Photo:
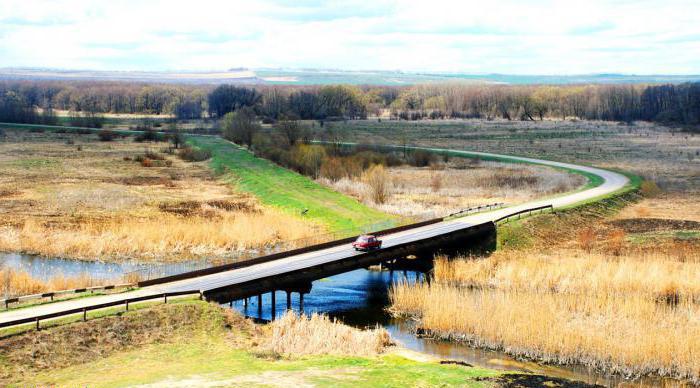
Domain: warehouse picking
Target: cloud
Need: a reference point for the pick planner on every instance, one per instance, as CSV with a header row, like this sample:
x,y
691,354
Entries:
x,y
504,36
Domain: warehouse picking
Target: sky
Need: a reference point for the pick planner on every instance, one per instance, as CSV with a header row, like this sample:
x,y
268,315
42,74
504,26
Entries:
x,y
475,37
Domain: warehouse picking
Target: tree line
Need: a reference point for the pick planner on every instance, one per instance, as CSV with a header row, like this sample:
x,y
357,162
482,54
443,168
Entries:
x,y
22,101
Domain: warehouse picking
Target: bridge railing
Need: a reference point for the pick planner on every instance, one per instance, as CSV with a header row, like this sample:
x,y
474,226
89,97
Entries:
x,y
53,294
84,310
529,211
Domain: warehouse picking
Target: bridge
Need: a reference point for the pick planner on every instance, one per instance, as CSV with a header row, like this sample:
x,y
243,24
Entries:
x,y
293,271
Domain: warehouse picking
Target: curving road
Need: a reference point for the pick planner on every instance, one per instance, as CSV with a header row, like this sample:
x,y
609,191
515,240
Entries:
x,y
612,182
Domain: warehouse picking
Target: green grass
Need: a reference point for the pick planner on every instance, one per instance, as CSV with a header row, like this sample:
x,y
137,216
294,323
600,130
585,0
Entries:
x,y
284,189
209,358
92,314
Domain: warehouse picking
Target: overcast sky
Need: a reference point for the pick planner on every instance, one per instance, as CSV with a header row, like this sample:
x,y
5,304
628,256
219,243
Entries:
x,y
496,36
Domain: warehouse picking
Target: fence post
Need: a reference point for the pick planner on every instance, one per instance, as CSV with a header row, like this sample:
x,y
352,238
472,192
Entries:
x,y
165,298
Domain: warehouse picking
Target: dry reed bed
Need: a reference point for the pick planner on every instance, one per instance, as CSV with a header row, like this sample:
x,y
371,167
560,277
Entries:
x,y
628,314
297,336
629,335
653,275
167,236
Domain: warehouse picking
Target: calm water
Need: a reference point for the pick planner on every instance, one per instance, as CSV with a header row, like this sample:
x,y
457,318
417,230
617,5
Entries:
x,y
358,298
44,268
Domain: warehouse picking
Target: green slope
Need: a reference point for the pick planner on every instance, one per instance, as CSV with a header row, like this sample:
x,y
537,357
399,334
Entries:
x,y
279,187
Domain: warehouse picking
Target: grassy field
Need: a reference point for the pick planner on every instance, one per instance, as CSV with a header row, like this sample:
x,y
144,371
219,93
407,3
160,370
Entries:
x,y
291,192
655,152
459,184
194,343
70,195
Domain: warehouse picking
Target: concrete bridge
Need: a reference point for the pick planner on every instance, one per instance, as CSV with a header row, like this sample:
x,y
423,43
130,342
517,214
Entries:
x,y
294,271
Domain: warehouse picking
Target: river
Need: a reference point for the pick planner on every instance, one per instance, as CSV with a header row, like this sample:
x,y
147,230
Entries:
x,y
358,298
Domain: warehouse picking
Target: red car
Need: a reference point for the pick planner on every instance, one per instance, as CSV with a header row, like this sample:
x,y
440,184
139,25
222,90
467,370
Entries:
x,y
366,243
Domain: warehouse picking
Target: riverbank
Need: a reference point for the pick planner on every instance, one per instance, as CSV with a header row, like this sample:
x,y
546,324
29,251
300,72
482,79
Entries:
x,y
195,343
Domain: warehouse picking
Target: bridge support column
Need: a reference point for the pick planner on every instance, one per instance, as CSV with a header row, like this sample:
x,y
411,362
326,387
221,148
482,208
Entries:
x,y
289,299
245,304
273,307
301,303
260,305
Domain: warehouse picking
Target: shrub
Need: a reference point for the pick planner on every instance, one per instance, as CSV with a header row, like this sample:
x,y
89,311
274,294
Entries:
x,y
586,238
649,189
149,135
192,154
106,135
333,169
421,158
377,179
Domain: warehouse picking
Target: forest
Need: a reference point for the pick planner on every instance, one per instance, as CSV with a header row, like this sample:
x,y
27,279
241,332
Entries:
x,y
35,101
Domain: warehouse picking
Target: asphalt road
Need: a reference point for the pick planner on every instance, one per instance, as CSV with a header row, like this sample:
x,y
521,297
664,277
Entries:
x,y
612,182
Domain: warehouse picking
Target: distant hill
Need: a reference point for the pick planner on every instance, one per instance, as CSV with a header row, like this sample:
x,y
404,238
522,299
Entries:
x,y
323,77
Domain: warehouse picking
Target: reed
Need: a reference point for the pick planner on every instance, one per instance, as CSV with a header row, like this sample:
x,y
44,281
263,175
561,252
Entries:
x,y
631,335
298,335
165,237
17,283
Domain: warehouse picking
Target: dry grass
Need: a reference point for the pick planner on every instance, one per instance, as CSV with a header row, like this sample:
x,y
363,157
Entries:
x,y
586,290
99,203
441,190
297,336
85,342
658,153
630,335
16,283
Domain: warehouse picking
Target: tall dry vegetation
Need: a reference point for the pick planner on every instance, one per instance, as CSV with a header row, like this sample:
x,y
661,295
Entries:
x,y
296,336
587,296
17,283
378,182
98,204
165,237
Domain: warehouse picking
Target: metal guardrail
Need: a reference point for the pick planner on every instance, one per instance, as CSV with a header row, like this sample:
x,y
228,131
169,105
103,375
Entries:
x,y
19,299
528,211
476,209
84,310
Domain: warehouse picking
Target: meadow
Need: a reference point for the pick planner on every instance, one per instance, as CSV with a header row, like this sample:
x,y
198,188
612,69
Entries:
x,y
290,192
74,196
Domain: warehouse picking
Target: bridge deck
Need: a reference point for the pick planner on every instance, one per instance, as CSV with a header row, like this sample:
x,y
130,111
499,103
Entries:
x,y
612,182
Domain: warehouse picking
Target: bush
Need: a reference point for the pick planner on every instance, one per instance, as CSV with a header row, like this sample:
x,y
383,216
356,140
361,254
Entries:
x,y
191,154
149,135
379,183
106,135
421,158
649,189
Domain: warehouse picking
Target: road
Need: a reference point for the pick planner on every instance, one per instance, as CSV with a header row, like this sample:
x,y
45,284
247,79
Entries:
x,y
612,182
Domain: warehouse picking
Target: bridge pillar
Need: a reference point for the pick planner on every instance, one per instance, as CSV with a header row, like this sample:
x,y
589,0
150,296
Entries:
x,y
289,299
245,304
273,310
301,303
260,303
